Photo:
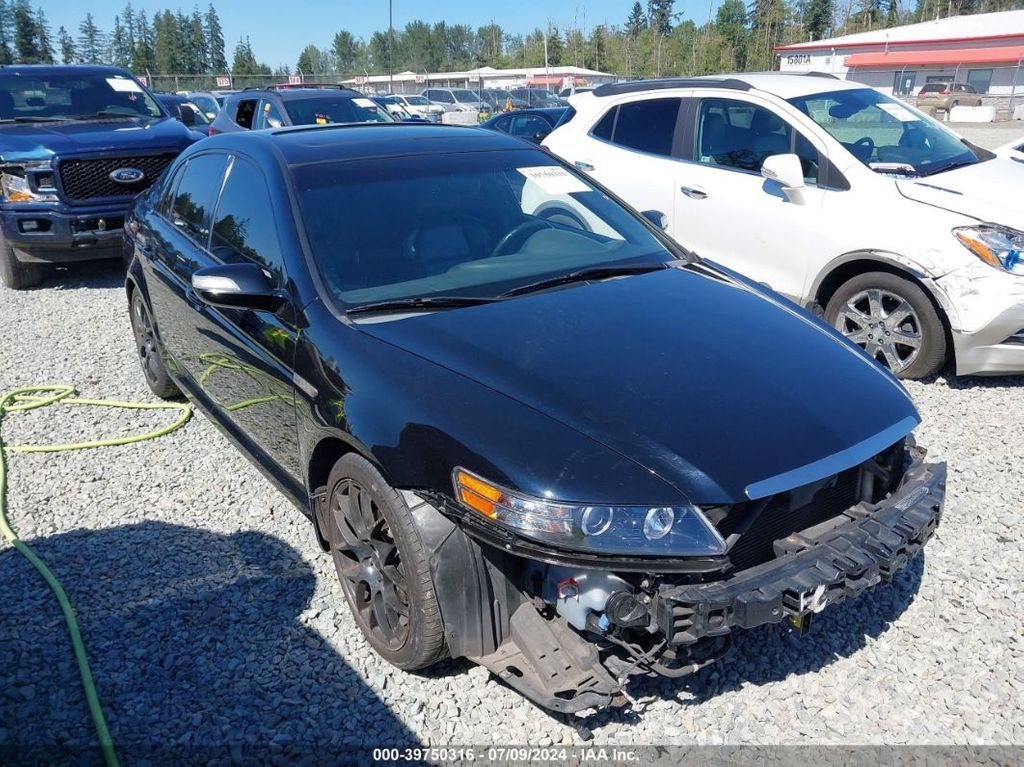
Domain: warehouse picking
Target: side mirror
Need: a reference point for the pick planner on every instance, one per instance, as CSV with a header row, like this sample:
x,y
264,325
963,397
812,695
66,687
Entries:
x,y
657,218
237,286
787,172
186,115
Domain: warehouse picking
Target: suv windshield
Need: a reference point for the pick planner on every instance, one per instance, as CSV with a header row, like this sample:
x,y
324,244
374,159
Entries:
x,y
416,101
73,96
885,134
474,225
319,110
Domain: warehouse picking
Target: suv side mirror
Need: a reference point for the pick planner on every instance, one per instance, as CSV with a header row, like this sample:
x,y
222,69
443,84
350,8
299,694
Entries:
x,y
237,286
787,172
657,218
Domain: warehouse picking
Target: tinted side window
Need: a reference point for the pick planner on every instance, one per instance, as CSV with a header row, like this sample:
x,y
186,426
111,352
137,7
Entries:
x,y
528,125
163,205
737,134
196,194
244,225
648,126
605,126
245,113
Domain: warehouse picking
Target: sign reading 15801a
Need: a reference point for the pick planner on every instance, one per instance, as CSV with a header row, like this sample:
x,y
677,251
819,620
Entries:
x,y
800,58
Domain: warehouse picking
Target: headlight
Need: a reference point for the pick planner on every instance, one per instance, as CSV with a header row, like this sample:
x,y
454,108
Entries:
x,y
15,187
681,530
997,246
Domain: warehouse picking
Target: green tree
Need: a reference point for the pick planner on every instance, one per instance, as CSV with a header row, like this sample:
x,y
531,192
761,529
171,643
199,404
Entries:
x,y
597,48
379,56
215,42
6,34
636,21
195,35
245,63
26,42
143,59
346,51
818,18
120,53
490,45
767,23
67,46
167,44
556,48
91,41
659,15
313,61
43,40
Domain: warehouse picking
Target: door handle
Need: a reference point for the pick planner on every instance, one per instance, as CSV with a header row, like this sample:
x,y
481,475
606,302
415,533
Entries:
x,y
693,192
585,166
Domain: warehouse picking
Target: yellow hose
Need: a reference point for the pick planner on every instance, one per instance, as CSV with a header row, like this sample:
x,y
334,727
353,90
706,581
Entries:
x,y
31,398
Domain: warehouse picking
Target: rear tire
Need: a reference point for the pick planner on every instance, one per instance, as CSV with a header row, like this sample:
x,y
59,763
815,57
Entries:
x,y
382,565
893,320
148,349
17,275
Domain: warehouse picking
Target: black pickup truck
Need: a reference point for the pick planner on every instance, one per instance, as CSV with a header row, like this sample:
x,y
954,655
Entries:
x,y
77,143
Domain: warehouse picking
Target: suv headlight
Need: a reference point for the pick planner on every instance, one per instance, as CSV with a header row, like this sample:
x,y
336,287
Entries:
x,y
998,246
15,187
680,530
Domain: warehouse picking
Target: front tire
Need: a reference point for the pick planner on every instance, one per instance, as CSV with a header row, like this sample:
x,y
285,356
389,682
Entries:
x,y
17,275
382,565
148,349
893,320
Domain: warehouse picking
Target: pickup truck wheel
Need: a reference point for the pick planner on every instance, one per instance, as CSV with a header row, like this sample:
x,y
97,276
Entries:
x,y
16,274
148,349
893,320
382,565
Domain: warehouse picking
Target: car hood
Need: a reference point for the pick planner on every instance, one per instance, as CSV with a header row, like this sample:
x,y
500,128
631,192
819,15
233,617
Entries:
x,y
987,191
42,141
720,390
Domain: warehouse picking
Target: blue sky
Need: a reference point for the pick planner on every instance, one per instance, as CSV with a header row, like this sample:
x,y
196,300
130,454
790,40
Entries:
x,y
279,29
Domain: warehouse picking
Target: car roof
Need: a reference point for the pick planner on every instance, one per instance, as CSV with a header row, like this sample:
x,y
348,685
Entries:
x,y
305,144
296,93
783,85
57,69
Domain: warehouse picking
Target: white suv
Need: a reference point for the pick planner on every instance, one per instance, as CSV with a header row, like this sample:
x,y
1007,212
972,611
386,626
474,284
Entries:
x,y
906,236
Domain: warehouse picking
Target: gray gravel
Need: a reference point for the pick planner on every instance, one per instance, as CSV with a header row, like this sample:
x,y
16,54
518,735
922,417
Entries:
x,y
212,619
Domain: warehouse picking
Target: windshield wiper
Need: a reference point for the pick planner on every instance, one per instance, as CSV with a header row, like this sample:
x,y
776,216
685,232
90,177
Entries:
x,y
33,119
421,302
951,166
895,168
583,275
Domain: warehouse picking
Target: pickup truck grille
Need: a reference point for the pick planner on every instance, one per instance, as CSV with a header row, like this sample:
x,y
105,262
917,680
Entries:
x,y
90,179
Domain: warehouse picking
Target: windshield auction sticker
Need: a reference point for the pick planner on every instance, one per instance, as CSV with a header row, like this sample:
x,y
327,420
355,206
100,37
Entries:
x,y
123,85
554,180
900,113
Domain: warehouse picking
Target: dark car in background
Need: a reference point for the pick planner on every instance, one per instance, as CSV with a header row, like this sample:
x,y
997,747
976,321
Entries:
x,y
185,110
530,429
284,105
536,97
76,144
531,124
501,100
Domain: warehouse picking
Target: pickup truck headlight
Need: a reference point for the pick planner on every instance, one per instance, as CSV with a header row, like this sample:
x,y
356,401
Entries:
x,y
15,187
680,530
997,246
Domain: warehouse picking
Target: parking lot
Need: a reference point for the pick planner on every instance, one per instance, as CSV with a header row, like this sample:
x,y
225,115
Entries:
x,y
213,621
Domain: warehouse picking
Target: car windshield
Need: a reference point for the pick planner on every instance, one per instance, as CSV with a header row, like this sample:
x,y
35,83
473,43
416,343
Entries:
x,y
206,103
473,225
416,101
320,110
74,95
935,88
885,134
465,97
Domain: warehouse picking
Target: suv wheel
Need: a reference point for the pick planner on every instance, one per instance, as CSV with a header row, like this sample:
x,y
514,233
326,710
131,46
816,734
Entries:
x,y
893,320
148,349
16,274
382,565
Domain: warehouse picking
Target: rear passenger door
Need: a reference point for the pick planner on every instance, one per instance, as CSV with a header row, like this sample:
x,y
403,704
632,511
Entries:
x,y
634,151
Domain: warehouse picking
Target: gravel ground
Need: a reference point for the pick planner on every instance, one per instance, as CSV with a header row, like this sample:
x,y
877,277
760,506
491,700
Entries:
x,y
990,135
212,619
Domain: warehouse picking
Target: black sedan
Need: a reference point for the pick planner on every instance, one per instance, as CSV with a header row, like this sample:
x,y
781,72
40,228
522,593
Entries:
x,y
530,429
531,124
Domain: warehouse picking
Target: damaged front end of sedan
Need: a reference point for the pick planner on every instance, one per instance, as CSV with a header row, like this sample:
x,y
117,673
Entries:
x,y
566,603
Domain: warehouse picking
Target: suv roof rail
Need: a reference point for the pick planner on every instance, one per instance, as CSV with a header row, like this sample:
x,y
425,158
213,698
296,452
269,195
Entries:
x,y
613,89
826,75
287,86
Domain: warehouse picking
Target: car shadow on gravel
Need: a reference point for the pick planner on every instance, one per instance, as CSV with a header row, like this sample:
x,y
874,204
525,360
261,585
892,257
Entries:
x,y
88,274
772,653
196,648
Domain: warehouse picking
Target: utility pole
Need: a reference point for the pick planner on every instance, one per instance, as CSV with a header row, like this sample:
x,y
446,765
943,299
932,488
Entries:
x,y
547,69
391,48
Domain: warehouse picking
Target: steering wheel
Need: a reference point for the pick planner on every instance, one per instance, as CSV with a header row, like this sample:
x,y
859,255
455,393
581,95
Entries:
x,y
868,143
523,230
